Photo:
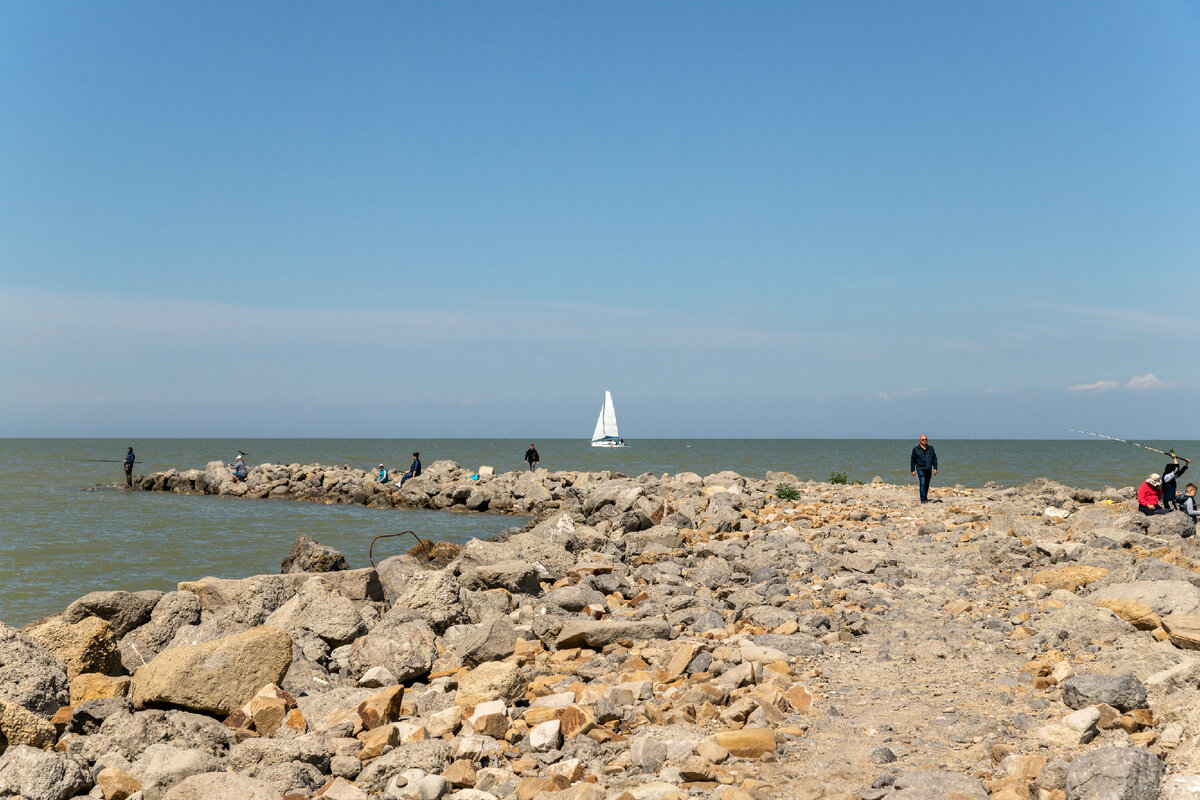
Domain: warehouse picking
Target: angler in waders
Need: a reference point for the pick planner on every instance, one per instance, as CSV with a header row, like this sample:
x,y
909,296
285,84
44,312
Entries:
x,y
130,458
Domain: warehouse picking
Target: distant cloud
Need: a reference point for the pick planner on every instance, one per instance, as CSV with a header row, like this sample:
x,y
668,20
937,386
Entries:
x,y
995,390
1098,386
1148,382
1143,383
886,396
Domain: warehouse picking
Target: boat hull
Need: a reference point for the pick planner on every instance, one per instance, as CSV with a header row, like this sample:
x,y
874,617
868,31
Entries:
x,y
607,443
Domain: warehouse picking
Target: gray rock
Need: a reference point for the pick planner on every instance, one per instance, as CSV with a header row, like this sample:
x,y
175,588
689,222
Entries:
x,y
222,786
317,708
796,645
288,776
161,766
309,555
574,597
269,752
130,734
171,612
86,718
648,754
598,633
492,640
1164,597
407,649
937,785
434,596
30,676
516,576
320,608
1115,773
1169,526
1122,692
36,774
123,610
429,755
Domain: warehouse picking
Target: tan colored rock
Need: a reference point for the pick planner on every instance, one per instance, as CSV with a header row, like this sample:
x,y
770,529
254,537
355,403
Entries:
x,y
381,708
711,751
1070,578
747,742
215,677
377,741
576,721
340,789
86,646
295,721
494,680
268,714
19,726
1140,615
97,686
530,788
444,722
683,656
1184,630
799,697
460,774
117,784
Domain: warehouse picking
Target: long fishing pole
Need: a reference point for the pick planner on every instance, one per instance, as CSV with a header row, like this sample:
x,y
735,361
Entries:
x,y
1126,441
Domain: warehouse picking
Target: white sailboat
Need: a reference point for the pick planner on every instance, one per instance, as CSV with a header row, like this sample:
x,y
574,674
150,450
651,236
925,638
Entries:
x,y
606,434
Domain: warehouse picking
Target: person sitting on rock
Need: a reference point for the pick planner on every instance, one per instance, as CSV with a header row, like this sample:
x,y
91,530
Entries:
x,y
383,474
1188,506
239,470
414,469
1150,495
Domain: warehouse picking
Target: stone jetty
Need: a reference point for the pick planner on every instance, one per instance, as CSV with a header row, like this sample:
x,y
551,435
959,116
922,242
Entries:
x,y
641,638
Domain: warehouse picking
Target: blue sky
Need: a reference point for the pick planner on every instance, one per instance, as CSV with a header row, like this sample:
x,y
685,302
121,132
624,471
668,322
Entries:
x,y
765,219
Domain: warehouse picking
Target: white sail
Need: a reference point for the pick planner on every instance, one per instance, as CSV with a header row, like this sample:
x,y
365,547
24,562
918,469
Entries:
x,y
606,424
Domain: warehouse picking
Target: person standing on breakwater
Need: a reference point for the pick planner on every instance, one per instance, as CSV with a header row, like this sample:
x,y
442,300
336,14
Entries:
x,y
239,470
129,459
383,474
414,470
1150,495
923,464
1170,472
532,458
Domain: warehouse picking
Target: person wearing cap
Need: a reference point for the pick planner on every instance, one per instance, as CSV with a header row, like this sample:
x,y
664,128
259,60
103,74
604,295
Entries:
x,y
1170,499
923,464
1149,495
383,474
532,458
239,470
414,470
129,459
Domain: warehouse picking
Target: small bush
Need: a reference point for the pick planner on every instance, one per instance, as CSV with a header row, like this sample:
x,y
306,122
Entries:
x,y
838,477
785,492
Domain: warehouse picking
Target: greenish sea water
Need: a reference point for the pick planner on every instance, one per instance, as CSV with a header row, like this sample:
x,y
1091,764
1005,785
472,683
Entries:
x,y
61,537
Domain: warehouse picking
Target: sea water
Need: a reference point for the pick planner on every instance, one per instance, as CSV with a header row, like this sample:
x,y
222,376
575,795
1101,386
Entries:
x,y
67,528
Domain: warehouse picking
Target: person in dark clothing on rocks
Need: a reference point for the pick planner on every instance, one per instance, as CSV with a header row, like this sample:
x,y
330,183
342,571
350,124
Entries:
x,y
1170,499
414,470
532,458
1188,506
240,470
130,458
923,464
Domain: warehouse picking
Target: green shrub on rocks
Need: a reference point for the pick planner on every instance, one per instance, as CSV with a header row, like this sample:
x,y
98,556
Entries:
x,y
838,477
785,492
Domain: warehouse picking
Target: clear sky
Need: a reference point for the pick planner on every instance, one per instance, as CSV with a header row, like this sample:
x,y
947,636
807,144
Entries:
x,y
469,219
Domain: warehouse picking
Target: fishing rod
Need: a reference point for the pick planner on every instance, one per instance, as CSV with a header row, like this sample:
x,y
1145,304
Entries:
x,y
105,460
1135,444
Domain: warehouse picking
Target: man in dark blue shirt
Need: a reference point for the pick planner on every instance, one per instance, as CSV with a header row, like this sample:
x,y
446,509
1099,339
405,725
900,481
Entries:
x,y
414,469
923,464
129,459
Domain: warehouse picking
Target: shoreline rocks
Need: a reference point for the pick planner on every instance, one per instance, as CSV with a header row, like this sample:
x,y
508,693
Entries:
x,y
648,637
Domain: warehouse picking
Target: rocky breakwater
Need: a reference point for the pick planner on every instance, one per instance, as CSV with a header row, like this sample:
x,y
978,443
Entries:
x,y
1034,643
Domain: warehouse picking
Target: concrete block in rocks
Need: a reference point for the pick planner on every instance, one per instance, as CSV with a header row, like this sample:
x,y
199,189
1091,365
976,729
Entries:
x,y
309,555
598,633
516,576
222,786
1123,692
123,610
34,774
84,646
1115,773
30,675
215,677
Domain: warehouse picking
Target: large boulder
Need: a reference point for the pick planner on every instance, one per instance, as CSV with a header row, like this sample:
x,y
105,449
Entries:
x,y
620,494
1115,773
320,608
309,555
222,786
215,677
515,576
161,766
21,726
598,633
33,774
1176,525
937,784
85,646
406,648
492,640
1163,597
494,680
30,675
434,596
428,756
129,734
1122,692
123,610
172,612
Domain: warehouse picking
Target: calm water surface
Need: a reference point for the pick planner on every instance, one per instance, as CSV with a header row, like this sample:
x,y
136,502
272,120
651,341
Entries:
x,y
61,537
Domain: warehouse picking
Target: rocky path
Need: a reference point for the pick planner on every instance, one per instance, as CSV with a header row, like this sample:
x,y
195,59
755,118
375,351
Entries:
x,y
643,638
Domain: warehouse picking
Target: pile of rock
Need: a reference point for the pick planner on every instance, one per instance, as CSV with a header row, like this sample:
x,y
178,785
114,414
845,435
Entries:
x,y
646,639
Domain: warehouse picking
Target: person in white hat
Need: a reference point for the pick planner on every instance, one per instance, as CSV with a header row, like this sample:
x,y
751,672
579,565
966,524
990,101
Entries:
x,y
239,470
1150,495
383,474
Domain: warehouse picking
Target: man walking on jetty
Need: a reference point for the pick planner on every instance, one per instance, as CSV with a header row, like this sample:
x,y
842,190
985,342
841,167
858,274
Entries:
x,y
532,458
923,464
129,459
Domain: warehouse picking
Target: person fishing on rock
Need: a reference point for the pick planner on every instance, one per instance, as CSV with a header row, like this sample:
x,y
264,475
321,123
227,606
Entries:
x,y
239,470
130,458
1172,471
414,470
383,474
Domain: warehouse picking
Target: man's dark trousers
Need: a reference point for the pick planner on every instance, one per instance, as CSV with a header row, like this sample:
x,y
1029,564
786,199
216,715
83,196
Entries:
x,y
923,476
